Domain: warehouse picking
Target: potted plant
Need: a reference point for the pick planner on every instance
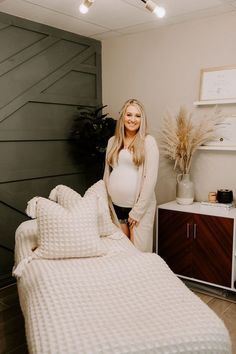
(89, 135)
(180, 138)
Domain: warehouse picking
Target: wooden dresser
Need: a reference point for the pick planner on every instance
(198, 242)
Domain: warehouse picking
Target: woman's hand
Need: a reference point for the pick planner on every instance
(132, 222)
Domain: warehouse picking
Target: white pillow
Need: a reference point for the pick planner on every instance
(64, 195)
(67, 232)
(67, 197)
(105, 225)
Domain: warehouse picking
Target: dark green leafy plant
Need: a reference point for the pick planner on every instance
(90, 133)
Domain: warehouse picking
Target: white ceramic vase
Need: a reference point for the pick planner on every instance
(184, 189)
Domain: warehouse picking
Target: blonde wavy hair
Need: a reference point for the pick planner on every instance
(137, 145)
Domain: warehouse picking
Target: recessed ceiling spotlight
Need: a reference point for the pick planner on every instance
(85, 5)
(160, 11)
(153, 7)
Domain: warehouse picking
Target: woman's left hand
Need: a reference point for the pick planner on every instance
(132, 222)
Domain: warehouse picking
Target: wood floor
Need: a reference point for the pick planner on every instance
(12, 334)
(226, 310)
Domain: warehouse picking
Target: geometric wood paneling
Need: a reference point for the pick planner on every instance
(11, 217)
(12, 331)
(45, 73)
(14, 194)
(21, 78)
(15, 40)
(52, 121)
(34, 159)
(71, 83)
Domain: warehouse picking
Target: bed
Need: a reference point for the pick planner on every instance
(122, 301)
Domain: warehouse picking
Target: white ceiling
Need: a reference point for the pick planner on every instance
(112, 18)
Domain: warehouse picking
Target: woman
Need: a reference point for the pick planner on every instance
(130, 175)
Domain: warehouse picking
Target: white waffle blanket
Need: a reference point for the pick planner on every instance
(124, 302)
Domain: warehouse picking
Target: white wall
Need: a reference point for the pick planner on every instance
(162, 68)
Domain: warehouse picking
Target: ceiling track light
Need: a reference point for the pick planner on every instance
(85, 5)
(151, 6)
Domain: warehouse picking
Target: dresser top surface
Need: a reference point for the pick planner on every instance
(199, 208)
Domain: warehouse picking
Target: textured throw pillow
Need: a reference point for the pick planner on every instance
(67, 232)
(105, 225)
(64, 195)
(67, 197)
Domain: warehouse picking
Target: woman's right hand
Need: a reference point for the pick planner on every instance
(132, 222)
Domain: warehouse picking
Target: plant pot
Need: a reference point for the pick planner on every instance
(184, 189)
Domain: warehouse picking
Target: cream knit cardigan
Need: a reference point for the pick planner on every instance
(145, 203)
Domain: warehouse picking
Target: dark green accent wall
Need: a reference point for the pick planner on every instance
(45, 73)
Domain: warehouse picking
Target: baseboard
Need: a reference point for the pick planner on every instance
(211, 290)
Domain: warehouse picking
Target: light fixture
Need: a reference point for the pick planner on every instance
(84, 7)
(153, 7)
(149, 4)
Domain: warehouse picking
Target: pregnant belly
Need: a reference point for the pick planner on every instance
(122, 187)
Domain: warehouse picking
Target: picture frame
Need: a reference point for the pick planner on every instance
(218, 84)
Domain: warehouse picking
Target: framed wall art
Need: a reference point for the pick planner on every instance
(218, 84)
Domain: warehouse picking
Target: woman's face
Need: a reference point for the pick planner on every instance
(132, 119)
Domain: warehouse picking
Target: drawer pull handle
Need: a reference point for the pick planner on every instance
(194, 231)
(188, 229)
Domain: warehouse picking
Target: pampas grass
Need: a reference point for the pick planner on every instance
(181, 136)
